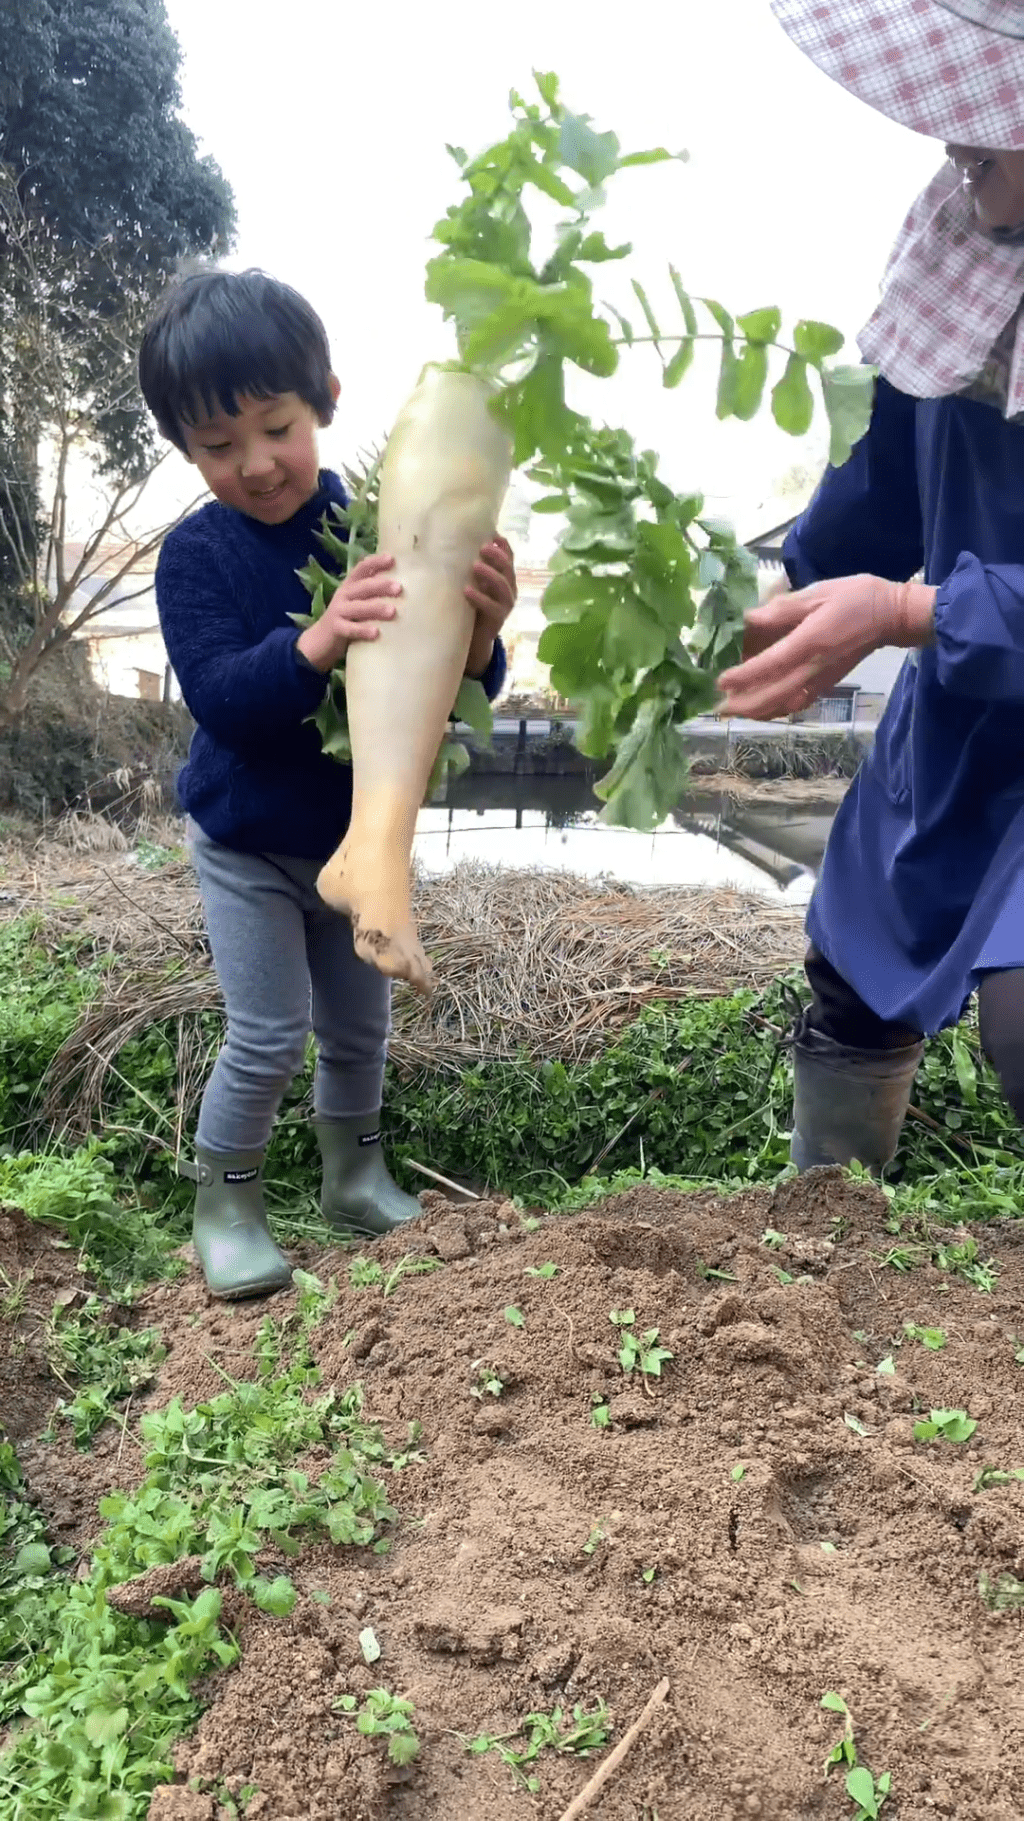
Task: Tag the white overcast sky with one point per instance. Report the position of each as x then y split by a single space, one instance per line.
330 124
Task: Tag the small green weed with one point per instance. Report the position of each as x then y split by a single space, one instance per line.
384 1715
366 1273
963 1259
108 1694
598 1535
901 1258
1004 1594
151 855
580 1733
109 1361
229 1807
996 1476
600 1413
546 1271
363 1273
487 1381
76 1194
515 1317
638 1350
286 1339
711 1275
945 1425
932 1338
15 1295
313 1299
867 1792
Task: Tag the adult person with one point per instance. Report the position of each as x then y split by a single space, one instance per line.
920 901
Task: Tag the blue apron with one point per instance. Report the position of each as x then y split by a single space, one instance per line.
922 885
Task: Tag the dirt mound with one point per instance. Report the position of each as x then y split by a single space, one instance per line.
756 1522
37 1272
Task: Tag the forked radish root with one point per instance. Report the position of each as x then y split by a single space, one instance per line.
443 479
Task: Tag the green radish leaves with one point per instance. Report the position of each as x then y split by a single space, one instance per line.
647 599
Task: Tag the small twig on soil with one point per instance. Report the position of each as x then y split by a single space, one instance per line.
445 1181
124 1427
776 1029
918 1481
572 1330
590 1791
933 1125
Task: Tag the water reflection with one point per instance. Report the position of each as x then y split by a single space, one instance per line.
770 846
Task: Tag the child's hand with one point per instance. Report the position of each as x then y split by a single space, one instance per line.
493 593
365 597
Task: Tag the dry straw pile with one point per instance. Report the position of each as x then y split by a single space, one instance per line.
536 964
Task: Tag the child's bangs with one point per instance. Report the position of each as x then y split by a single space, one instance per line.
251 357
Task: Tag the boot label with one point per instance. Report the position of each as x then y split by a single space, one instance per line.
370 1138
241 1175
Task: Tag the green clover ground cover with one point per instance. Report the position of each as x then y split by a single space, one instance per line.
101 1696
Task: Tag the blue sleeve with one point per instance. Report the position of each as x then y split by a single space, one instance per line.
979 631
493 678
865 518
236 690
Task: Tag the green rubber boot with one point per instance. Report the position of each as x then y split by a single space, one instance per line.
359 1193
229 1226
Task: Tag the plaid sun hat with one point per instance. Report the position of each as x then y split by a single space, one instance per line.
949 319
951 69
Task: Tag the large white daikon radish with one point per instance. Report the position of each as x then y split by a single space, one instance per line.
443 479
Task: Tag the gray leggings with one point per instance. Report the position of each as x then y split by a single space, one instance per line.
286 965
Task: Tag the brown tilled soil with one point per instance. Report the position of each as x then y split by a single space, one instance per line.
38 1273
844 1559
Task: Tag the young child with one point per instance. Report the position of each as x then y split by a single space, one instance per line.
237 372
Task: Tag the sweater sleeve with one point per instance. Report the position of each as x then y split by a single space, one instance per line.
865 518
979 630
236 690
493 678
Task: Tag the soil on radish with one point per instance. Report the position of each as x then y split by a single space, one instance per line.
542 1561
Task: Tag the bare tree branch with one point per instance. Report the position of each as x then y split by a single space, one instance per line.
68 404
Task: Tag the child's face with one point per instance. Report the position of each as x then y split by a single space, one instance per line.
264 461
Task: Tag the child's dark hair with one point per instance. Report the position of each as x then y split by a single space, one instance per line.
216 337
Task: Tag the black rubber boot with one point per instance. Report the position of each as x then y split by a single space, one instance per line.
229 1227
359 1193
849 1105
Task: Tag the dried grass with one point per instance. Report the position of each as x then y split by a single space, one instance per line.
535 964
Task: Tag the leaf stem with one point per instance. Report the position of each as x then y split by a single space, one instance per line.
623 341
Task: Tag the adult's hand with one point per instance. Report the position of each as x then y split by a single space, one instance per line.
797 647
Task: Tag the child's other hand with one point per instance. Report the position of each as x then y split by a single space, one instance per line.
492 592
365 597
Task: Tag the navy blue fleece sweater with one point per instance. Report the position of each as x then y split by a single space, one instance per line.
256 777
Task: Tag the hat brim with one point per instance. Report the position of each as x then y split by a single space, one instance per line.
918 64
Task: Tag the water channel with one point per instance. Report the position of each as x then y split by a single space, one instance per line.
759 841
